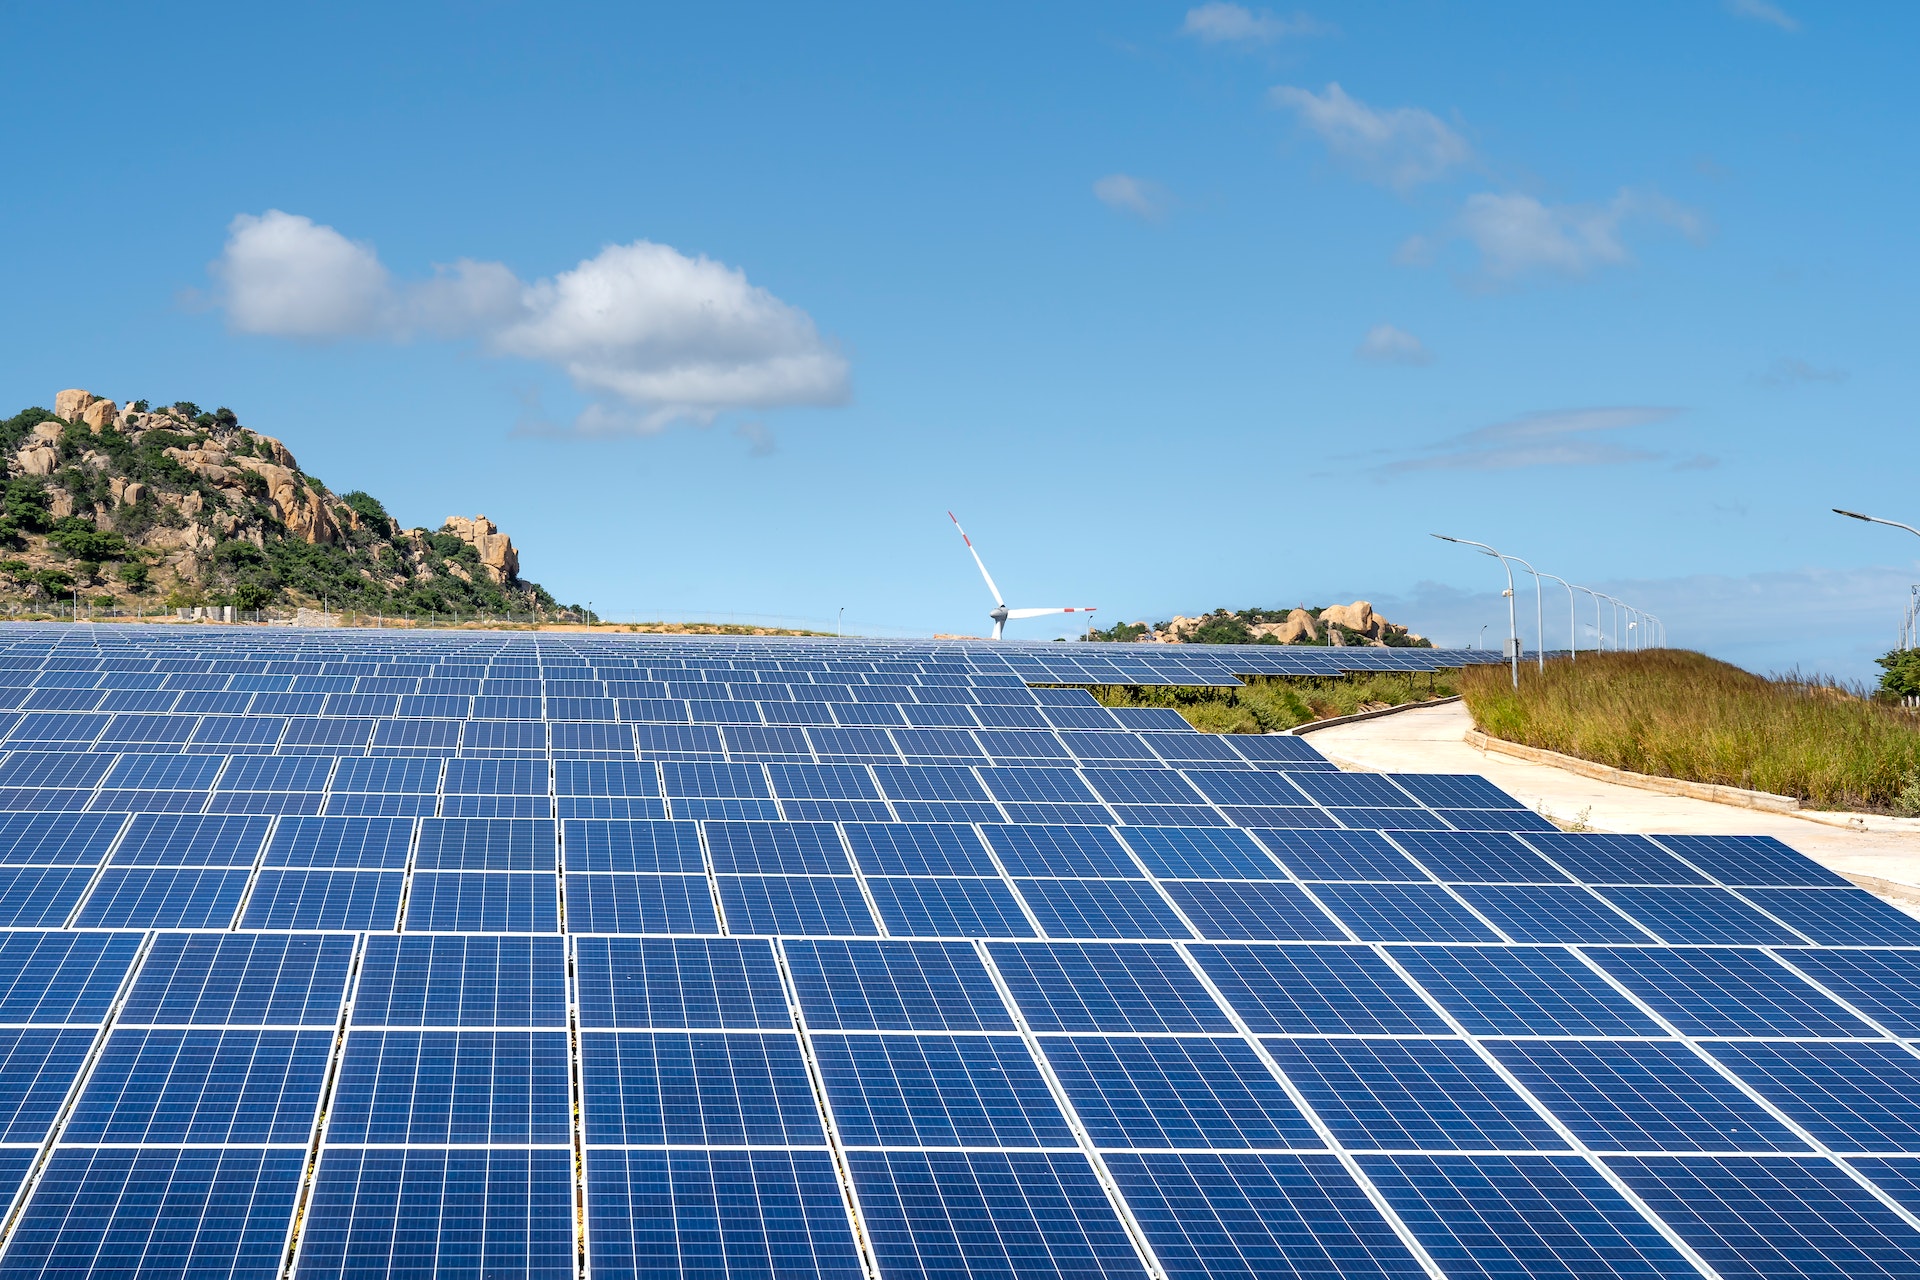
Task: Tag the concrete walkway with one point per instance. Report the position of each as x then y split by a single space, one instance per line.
1430 740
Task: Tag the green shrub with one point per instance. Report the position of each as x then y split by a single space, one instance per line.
1902 678
79 539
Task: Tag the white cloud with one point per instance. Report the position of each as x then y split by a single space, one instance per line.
668 337
1554 438
1220 23
1761 11
1517 234
1400 147
1133 195
1386 344
286 275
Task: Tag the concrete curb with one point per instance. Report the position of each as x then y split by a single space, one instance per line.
1741 797
1301 730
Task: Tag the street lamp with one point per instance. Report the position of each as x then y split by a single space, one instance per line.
1539 618
840 624
1573 628
1513 623
1855 515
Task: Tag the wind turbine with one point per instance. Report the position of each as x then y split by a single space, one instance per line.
1000 612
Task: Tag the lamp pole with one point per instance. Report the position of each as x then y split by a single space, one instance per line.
1539 618
1573 632
1513 623
1599 628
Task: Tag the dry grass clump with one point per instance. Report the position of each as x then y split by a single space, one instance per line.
1280 702
1677 714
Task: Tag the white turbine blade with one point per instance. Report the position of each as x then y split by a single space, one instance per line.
977 560
1040 613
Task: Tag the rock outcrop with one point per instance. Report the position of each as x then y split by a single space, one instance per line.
138 500
1333 625
497 555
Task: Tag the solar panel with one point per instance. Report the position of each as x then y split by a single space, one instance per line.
733 1213
937 1213
888 893
1176 1091
938 1091
381 1211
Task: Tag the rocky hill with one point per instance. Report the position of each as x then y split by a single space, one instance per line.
1337 624
133 505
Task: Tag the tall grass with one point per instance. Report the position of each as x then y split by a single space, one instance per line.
1280 702
1677 714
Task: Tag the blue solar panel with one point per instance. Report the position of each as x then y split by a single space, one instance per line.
1454 791
1705 916
1240 910
940 1214
240 979
422 1211
62 977
718 1213
1247 787
1852 1097
938 1091
1201 853
795 905
177 1085
359 844
919 849
38 1066
1237 1214
1501 1216
1060 851
615 902
1884 985
462 982
159 1211
1774 1217
1550 913
31 896
1726 992
1614 859
324 900
1838 917
894 986
1642 1095
948 907
698 1088
163 898
180 840
1183 1091
776 848
1752 861
482 902
679 982
1340 855
1101 909
452 1087
67 839
1124 987
1523 991
486 844
1403 913
1478 857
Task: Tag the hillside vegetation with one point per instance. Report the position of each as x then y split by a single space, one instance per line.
157 508
1267 705
1684 715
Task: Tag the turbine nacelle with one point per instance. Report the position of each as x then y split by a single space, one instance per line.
1000 613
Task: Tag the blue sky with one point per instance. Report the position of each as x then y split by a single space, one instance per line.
722 308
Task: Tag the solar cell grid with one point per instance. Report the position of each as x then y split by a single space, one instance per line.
1252 911
1116 987
1724 991
452 1087
165 1085
1201 853
1101 909
951 907
240 979
462 982
1523 991
1176 1092
894 986
938 1091
696 1088
62 977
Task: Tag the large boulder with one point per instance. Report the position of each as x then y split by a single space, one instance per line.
70 404
39 461
497 554
99 415
294 504
1358 616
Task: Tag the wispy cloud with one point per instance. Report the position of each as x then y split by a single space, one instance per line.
759 440
1398 147
1761 11
1221 23
1386 344
1555 438
1789 369
1138 196
1515 235
661 336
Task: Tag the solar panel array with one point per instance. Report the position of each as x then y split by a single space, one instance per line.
330 954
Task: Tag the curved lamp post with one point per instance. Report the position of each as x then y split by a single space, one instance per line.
1513 624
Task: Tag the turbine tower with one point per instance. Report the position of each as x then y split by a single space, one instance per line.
1001 613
